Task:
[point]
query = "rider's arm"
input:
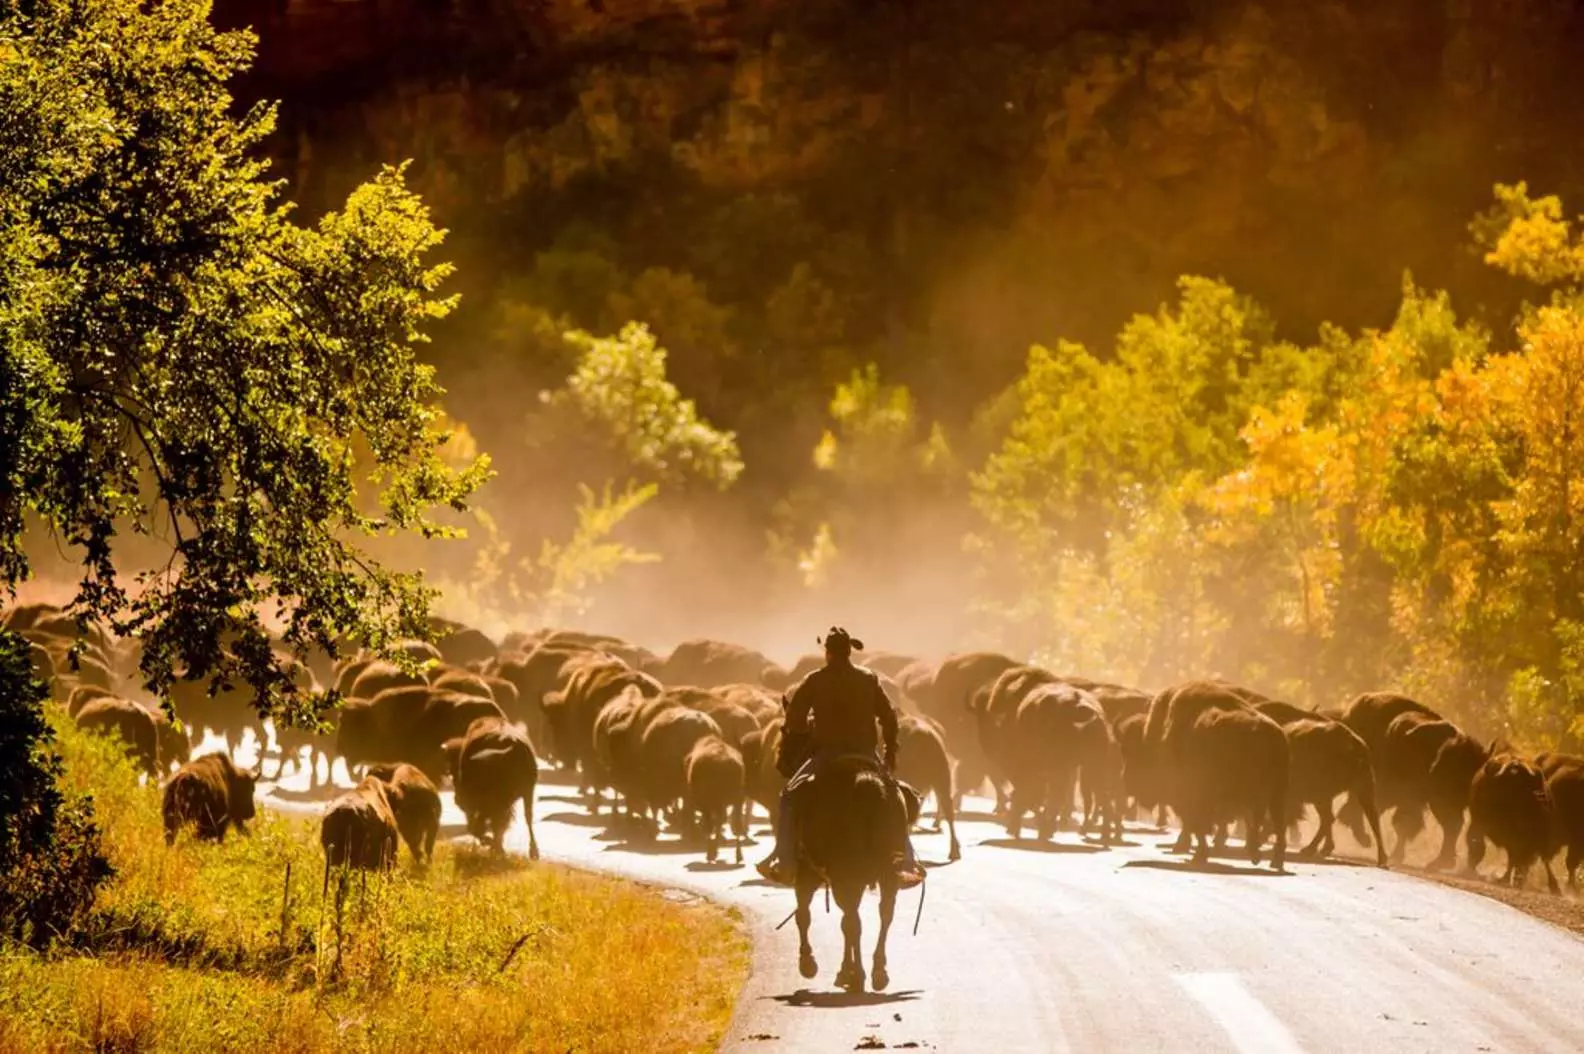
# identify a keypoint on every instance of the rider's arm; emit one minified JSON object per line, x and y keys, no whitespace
{"x":886,"y":715}
{"x":797,"y":711}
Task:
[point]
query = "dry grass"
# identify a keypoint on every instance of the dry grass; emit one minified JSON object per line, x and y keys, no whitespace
{"x":187,"y":951}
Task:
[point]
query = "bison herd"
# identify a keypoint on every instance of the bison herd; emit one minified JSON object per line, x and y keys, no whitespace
{"x":689,"y":740}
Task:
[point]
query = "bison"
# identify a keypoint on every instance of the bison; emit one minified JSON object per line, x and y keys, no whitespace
{"x":715,"y":792}
{"x":210,"y":793}
{"x":1220,"y":759}
{"x":492,"y":766}
{"x":1426,"y":762}
{"x":414,"y":802}
{"x":1060,"y":731}
{"x":155,"y":742}
{"x":359,"y":830}
{"x":1508,"y":805}
{"x":923,"y":762}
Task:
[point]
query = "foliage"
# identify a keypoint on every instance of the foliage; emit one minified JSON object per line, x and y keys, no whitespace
{"x":180,"y":358}
{"x":187,"y":951}
{"x":619,"y":391}
{"x":50,"y":858}
{"x":1393,"y":509}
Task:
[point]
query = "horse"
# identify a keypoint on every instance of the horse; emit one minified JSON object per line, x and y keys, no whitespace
{"x":851,"y":823}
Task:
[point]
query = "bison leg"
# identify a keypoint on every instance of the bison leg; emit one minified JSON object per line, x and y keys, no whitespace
{"x":1451,"y":819}
{"x":711,"y":836}
{"x":1476,"y":851}
{"x":1316,"y":846}
{"x":1355,"y":812}
{"x":528,"y":811}
{"x":1575,"y":857}
{"x":1551,"y":879}
{"x":888,"y":896}
{"x":1407,"y":822}
{"x":807,"y":885}
{"x":946,"y":812}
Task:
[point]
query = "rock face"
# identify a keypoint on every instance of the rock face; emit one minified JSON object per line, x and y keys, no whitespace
{"x":1113,"y":143}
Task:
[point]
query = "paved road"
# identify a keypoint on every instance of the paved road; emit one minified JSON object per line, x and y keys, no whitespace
{"x":1068,"y":947}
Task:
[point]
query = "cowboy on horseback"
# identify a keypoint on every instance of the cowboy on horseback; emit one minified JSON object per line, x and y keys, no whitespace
{"x":847,"y":704}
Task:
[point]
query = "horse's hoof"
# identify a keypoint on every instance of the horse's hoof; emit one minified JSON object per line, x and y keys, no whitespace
{"x":808,"y":967}
{"x":880,"y":978}
{"x":850,"y":980}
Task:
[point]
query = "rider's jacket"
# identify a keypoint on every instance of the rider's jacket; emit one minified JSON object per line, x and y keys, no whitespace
{"x":847,"y":704}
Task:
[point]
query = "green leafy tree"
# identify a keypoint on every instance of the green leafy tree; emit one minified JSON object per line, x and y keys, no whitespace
{"x":175,"y":351}
{"x":50,"y":856}
{"x":620,"y":396}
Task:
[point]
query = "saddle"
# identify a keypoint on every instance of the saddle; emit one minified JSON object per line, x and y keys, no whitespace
{"x":911,"y":797}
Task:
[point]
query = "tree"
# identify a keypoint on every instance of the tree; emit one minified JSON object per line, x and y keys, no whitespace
{"x":177,"y":354}
{"x":50,"y":858}
{"x":620,"y":395}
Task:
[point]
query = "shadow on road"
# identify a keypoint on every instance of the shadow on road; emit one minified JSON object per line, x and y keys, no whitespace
{"x":670,"y":847}
{"x":576,"y":819}
{"x":1210,"y":868}
{"x":319,"y":794}
{"x":804,"y":998}
{"x":1034,"y":845}
{"x":705,"y":867}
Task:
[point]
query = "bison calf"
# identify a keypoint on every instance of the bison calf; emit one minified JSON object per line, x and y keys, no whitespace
{"x":212,"y":794}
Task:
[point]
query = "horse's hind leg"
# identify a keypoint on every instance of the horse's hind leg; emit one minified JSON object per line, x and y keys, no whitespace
{"x":888,"y":896}
{"x":806,"y":887}
{"x":851,"y":976}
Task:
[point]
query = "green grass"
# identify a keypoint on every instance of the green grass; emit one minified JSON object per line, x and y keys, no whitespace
{"x":186,"y":950}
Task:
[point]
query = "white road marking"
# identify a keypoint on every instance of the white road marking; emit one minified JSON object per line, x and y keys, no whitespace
{"x":1252,"y":1028}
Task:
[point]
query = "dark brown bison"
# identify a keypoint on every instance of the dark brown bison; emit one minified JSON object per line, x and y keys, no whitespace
{"x":1426,"y":762}
{"x":1220,"y":760}
{"x":944,"y":692}
{"x":1060,"y":732}
{"x":663,"y":749}
{"x":463,"y":682}
{"x":414,"y":802}
{"x":570,"y":713}
{"x":154,"y":742}
{"x":1141,"y":778}
{"x":610,"y":763}
{"x":1327,"y":758}
{"x":995,"y":709}
{"x":716,"y":789}
{"x":547,"y":669}
{"x":408,"y":724}
{"x":923,"y":762}
{"x":1509,"y":805}
{"x":378,"y":677}
{"x":1564,"y":776}
{"x":359,"y":830}
{"x":1371,"y":714}
{"x":493,"y":766}
{"x":466,"y":647}
{"x":210,"y":793}
{"x":711,"y":663}
{"x":765,"y":781}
